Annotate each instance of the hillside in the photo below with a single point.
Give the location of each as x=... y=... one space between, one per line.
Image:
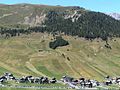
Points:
x=26 y=30
x=28 y=14
x=72 y=20
x=30 y=55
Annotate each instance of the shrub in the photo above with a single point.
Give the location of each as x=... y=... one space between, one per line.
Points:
x=58 y=42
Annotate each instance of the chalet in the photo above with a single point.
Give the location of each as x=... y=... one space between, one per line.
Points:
x=41 y=80
x=88 y=84
x=75 y=82
x=94 y=83
x=37 y=80
x=28 y=78
x=114 y=81
x=82 y=79
x=45 y=80
x=3 y=79
x=53 y=80
x=67 y=79
x=118 y=81
x=108 y=80
x=9 y=76
x=22 y=80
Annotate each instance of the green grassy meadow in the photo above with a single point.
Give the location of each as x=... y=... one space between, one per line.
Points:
x=27 y=89
x=31 y=55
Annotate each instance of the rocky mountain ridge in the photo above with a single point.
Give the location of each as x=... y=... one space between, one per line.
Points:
x=115 y=15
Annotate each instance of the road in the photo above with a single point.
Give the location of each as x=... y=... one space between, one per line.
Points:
x=33 y=87
x=70 y=86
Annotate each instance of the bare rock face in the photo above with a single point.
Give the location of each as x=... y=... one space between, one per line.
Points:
x=34 y=20
x=115 y=15
x=73 y=16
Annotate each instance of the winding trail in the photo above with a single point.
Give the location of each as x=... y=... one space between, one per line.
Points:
x=33 y=69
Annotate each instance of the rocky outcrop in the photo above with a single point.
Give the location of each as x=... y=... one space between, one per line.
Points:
x=34 y=21
x=73 y=16
x=115 y=15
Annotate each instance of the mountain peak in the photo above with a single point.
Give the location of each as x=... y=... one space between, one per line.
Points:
x=114 y=15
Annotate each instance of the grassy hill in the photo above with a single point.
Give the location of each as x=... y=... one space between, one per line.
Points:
x=30 y=55
x=27 y=14
x=70 y=20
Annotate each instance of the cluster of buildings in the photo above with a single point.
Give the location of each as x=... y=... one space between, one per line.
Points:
x=71 y=82
x=37 y=80
x=26 y=79
x=88 y=83
x=7 y=76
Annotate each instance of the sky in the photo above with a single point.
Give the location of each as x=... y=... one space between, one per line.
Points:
x=94 y=5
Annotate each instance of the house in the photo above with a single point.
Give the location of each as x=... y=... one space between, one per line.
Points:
x=9 y=76
x=114 y=80
x=118 y=81
x=67 y=79
x=37 y=80
x=45 y=80
x=41 y=80
x=94 y=83
x=53 y=80
x=22 y=80
x=108 y=80
x=88 y=84
x=3 y=79
x=75 y=82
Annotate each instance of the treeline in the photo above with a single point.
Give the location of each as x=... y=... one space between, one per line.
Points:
x=10 y=32
x=89 y=25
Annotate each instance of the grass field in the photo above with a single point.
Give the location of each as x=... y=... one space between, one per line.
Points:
x=28 y=89
x=16 y=89
x=30 y=55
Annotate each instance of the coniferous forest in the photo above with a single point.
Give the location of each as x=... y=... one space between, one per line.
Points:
x=89 y=25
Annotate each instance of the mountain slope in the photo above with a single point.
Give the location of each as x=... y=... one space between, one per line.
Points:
x=28 y=52
x=30 y=55
x=73 y=20
x=27 y=13
x=89 y=25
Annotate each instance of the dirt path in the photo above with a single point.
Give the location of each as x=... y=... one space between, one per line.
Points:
x=32 y=68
